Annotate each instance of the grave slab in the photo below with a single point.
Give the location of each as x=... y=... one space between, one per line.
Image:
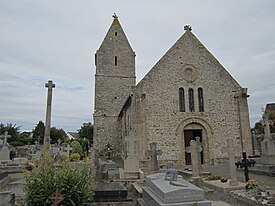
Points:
x=159 y=191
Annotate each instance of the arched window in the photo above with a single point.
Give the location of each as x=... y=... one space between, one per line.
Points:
x=191 y=100
x=200 y=98
x=181 y=100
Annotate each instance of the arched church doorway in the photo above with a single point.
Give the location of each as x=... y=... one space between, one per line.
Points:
x=187 y=130
x=192 y=134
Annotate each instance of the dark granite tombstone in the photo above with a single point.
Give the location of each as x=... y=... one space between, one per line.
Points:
x=112 y=191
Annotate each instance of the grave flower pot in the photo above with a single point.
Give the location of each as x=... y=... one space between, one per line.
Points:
x=224 y=179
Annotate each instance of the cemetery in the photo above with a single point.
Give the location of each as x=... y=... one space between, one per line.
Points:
x=141 y=160
x=165 y=185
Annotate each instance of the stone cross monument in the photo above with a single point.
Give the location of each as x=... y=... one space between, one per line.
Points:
x=152 y=154
x=266 y=123
x=195 y=158
x=232 y=168
x=5 y=137
x=68 y=149
x=268 y=144
x=47 y=137
x=195 y=150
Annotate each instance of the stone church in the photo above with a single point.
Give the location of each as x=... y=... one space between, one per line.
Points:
x=187 y=94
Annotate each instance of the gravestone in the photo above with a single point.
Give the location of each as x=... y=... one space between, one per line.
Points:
x=54 y=150
x=112 y=191
x=161 y=192
x=4 y=153
x=268 y=144
x=195 y=151
x=152 y=154
x=68 y=149
x=109 y=188
x=4 y=150
x=5 y=137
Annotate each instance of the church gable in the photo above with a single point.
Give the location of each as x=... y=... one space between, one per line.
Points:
x=187 y=55
x=188 y=83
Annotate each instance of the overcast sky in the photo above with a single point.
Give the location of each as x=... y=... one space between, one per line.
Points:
x=57 y=39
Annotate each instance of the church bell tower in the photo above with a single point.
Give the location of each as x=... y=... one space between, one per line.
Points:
x=114 y=78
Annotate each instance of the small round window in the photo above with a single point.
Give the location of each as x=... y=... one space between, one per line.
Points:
x=188 y=72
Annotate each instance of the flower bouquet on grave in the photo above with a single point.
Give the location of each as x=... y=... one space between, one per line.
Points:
x=251 y=184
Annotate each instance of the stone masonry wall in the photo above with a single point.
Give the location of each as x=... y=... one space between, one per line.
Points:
x=161 y=87
x=115 y=76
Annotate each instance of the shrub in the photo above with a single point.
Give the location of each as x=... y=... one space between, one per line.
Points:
x=75 y=186
x=16 y=143
x=74 y=157
x=77 y=148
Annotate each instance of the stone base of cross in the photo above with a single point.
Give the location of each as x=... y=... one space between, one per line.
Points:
x=152 y=154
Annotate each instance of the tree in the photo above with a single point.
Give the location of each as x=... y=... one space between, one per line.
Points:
x=84 y=144
x=258 y=128
x=39 y=131
x=57 y=134
x=12 y=129
x=86 y=131
x=25 y=138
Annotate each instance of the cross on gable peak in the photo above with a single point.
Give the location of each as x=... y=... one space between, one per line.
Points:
x=50 y=84
x=187 y=27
